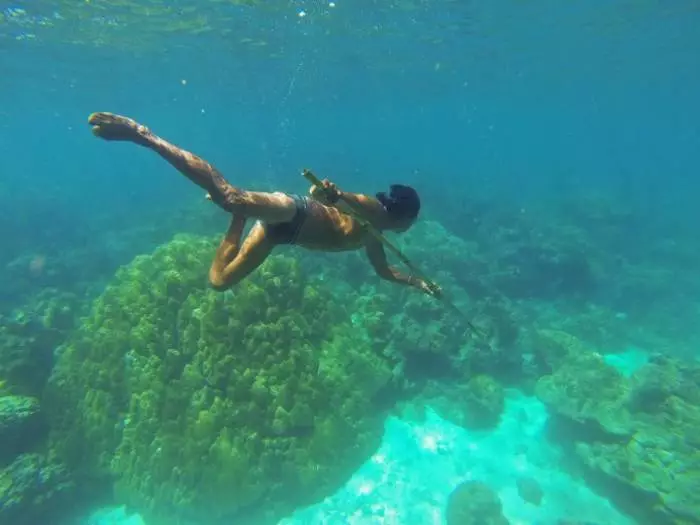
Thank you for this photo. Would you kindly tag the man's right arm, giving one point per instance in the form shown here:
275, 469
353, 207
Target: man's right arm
368, 207
355, 203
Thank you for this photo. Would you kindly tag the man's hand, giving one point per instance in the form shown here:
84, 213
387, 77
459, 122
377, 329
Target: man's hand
328, 193
431, 289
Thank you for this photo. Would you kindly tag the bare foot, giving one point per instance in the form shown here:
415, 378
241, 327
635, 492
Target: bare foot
109, 126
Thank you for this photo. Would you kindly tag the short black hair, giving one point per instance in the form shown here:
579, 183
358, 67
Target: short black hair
402, 202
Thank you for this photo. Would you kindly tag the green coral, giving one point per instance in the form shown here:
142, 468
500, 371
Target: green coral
35, 490
28, 336
484, 402
217, 405
635, 438
21, 426
587, 390
476, 403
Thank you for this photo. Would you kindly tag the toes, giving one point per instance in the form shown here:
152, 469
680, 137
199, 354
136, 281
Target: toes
99, 118
102, 117
110, 126
103, 124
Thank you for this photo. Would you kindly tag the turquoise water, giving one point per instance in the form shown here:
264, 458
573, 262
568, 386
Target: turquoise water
554, 146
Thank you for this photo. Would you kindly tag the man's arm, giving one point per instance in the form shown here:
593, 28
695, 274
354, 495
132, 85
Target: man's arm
377, 257
368, 207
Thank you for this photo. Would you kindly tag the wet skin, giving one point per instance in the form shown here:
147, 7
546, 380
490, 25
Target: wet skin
326, 228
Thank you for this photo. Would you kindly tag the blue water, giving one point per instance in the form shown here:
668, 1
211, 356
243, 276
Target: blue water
519, 97
517, 101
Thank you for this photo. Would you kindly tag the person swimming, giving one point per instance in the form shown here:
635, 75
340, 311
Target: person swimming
325, 220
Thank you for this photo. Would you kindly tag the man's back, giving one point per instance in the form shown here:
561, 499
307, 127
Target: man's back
327, 228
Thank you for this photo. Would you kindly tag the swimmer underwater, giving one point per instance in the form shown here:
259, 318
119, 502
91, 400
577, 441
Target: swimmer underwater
322, 221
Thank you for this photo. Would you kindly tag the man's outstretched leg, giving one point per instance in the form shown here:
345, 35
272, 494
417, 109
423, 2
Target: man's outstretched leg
268, 207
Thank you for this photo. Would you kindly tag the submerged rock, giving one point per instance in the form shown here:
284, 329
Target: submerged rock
529, 490
474, 503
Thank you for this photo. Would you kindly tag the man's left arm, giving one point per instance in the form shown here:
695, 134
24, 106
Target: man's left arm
377, 257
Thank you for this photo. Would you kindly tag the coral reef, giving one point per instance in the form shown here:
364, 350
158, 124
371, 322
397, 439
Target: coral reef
634, 438
33, 487
34, 490
476, 403
29, 337
222, 407
216, 406
21, 426
423, 337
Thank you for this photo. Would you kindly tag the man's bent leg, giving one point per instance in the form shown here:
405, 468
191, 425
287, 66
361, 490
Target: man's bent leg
269, 207
228, 249
231, 265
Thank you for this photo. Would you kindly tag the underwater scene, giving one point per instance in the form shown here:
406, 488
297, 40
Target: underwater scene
400, 262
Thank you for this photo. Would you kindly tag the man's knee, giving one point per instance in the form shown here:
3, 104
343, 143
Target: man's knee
236, 201
218, 282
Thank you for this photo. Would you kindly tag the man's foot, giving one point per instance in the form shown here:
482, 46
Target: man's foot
109, 126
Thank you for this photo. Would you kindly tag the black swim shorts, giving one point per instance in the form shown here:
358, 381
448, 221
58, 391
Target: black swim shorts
287, 232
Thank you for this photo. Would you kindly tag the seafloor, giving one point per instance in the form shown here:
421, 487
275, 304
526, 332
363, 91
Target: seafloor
313, 393
409, 478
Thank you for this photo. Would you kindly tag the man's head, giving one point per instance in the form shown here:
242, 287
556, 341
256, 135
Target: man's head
402, 205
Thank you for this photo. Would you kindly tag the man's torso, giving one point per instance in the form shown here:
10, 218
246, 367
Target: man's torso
319, 227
